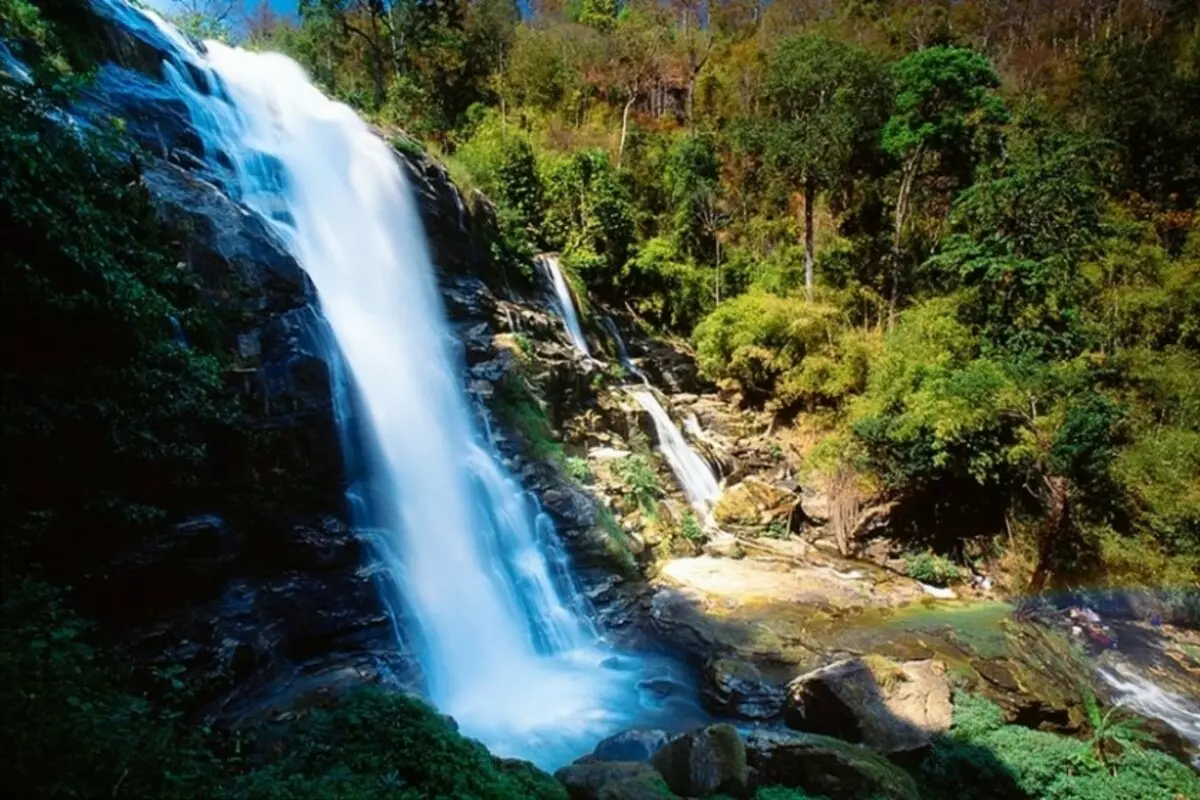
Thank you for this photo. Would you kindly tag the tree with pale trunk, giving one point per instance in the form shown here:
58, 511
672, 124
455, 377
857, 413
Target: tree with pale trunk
946, 110
824, 101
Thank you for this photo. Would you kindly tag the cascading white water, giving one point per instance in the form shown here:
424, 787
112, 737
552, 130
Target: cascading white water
693, 473
695, 476
506, 648
622, 351
1135, 691
565, 301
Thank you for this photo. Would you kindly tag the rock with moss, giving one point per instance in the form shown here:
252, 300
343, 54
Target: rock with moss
888, 706
613, 780
704, 762
822, 765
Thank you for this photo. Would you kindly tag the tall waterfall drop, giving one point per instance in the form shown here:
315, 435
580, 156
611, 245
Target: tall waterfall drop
506, 648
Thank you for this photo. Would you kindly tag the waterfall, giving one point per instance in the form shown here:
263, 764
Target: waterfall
564, 301
1135, 691
695, 476
622, 351
693, 473
503, 635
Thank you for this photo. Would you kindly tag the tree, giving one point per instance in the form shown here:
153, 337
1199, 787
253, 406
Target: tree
640, 43
946, 109
824, 99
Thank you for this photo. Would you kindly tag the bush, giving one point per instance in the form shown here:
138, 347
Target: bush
577, 469
779, 347
379, 745
984, 758
637, 473
690, 527
932, 569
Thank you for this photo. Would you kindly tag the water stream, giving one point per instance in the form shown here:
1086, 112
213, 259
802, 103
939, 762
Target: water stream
564, 301
503, 637
1139, 693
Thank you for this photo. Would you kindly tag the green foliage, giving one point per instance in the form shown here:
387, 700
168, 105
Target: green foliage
107, 416
932, 569
638, 475
691, 528
1115, 728
826, 98
945, 102
377, 745
984, 758
782, 347
578, 469
69, 728
518, 408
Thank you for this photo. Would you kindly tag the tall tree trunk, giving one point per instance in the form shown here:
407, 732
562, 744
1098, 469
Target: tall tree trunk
1058, 495
718, 286
625, 125
908, 177
810, 196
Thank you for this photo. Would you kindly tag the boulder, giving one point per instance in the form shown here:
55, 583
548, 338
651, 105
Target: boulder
821, 765
752, 502
612, 780
635, 745
739, 688
724, 545
704, 762
890, 707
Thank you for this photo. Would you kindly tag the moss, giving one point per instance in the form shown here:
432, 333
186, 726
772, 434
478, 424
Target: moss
616, 543
519, 409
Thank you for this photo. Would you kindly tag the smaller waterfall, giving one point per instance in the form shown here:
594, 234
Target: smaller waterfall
11, 66
693, 473
622, 352
1142, 695
565, 301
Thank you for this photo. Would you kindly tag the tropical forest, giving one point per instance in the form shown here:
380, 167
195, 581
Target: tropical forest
600, 399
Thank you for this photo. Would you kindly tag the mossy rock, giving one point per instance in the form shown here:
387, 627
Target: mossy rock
822, 765
705, 762
613, 780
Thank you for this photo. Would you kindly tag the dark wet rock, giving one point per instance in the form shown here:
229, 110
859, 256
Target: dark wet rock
635, 745
236, 256
602, 780
704, 762
890, 707
822, 765
670, 369
739, 688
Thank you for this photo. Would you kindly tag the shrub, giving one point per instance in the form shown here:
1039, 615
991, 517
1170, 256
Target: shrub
638, 475
932, 569
690, 527
577, 469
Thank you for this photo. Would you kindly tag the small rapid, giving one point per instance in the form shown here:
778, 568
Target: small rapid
1137, 692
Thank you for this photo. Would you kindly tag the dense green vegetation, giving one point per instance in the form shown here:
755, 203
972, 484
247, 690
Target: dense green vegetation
964, 245
959, 237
